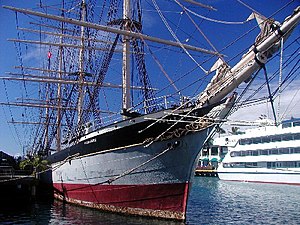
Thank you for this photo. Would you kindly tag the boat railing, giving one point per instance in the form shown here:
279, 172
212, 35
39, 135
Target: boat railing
160, 103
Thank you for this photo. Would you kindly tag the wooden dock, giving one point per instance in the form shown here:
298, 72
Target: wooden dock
17, 185
206, 173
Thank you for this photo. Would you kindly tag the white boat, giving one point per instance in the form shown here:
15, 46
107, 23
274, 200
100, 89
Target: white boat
268, 154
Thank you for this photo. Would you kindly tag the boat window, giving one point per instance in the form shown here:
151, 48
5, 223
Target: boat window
263, 152
280, 164
249, 153
214, 150
295, 150
266, 139
276, 138
238, 165
286, 125
245, 141
243, 153
274, 151
235, 153
255, 152
296, 124
224, 150
296, 136
287, 137
284, 151
226, 165
288, 164
249, 165
256, 140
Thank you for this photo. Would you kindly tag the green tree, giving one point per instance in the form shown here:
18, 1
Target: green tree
35, 163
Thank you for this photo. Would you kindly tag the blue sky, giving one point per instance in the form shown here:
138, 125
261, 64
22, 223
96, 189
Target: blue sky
219, 34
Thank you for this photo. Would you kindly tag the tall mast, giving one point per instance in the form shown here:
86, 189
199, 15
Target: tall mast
126, 56
58, 119
81, 63
47, 117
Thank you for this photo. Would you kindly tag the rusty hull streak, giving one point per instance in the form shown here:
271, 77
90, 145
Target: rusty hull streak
126, 210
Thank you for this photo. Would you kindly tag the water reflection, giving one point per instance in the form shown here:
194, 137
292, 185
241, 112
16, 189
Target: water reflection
216, 201
211, 202
71, 214
57, 212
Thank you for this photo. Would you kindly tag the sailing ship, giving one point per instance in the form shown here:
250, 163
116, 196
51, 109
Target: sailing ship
140, 161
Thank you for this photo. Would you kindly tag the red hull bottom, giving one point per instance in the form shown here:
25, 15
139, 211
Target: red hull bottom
157, 200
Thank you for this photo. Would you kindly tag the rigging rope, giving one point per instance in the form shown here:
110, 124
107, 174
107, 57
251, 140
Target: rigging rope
271, 77
12, 118
270, 94
175, 37
201, 32
247, 6
287, 62
280, 77
209, 19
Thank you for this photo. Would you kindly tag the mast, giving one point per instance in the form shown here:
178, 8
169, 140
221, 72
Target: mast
60, 67
126, 57
81, 64
47, 116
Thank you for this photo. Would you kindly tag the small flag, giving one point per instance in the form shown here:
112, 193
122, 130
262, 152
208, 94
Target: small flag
49, 55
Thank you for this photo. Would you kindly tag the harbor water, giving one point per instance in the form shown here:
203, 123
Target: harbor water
212, 201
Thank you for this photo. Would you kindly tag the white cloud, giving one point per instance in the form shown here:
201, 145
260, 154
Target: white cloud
289, 106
